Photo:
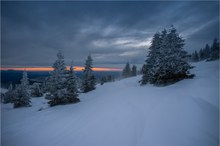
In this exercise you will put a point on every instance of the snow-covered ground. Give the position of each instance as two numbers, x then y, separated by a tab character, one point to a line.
3	90
123	113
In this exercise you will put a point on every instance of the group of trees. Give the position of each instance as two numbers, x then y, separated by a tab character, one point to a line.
61	85
105	79
89	79
208	53
167	61
20	96
129	72
36	91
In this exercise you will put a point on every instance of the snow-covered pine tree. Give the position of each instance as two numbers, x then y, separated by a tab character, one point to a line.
110	78
207	51
126	71
103	80
89	81
36	91
143	69
57	81
9	95
25	81
79	82
152	61
201	54
44	85
166	62
134	70
215	50
48	86
22	95
195	56
72	92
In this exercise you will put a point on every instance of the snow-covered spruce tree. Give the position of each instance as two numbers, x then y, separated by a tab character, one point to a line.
21	94
201	54
195	57
126	71
89	81
110	78
143	69
71	87
36	91
134	70
9	95
166	62
153	60
207	51
57	80
44	85
214	50
103	80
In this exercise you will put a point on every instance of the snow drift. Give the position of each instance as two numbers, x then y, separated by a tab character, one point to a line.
123	113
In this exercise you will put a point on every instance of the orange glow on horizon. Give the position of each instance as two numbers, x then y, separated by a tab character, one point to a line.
76	68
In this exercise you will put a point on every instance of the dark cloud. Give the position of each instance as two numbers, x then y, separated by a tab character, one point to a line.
114	32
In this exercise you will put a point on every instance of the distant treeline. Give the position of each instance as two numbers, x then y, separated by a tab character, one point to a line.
208	53
13	77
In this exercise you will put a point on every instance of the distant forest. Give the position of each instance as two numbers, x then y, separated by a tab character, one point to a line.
208	53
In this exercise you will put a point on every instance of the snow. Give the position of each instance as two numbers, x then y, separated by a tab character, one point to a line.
3	90
123	113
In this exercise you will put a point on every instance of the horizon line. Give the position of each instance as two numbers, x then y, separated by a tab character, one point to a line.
76	68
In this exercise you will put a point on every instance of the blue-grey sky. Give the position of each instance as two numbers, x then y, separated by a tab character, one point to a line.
113	32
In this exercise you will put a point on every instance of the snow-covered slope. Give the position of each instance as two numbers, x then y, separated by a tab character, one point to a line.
123	113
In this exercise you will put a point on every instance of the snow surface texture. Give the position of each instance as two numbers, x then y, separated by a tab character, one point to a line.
123	113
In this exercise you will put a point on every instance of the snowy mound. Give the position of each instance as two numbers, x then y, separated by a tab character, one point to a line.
3	90
124	113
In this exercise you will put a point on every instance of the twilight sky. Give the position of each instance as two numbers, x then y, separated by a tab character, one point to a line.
113	32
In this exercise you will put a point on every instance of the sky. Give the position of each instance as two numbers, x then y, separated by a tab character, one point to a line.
112	32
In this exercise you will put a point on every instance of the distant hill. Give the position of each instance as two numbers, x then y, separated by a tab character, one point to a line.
14	77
